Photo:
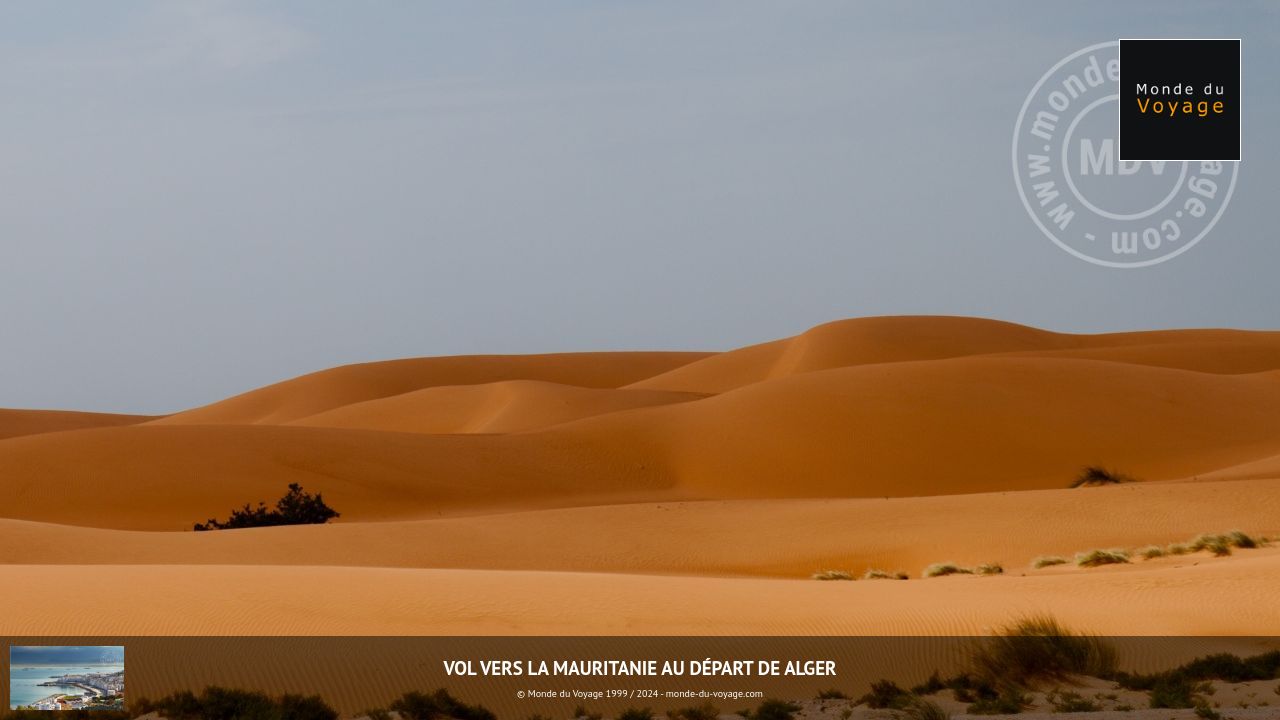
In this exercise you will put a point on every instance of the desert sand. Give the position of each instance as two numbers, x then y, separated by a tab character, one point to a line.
673	493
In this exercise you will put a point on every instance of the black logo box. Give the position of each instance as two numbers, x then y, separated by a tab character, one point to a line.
1185	66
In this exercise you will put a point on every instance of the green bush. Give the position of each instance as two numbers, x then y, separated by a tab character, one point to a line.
295	508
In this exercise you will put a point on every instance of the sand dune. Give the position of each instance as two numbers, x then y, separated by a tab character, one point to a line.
502	407
649	493
266	600
945	427
17	423
865	341
710	538
328	389
966	425
167	477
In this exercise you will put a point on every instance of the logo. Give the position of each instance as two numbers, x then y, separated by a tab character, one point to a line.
1107	211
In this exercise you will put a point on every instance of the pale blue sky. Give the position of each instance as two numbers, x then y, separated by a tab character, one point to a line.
203	197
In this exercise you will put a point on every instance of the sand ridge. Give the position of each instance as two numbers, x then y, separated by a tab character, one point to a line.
604	492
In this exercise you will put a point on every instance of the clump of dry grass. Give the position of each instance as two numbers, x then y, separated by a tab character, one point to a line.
943	569
1216	544
832	575
1099	557
1039	648
990	569
1045	561
1151	552
1178	549
877	574
1242	540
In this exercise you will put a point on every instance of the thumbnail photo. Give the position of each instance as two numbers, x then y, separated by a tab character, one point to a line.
66	677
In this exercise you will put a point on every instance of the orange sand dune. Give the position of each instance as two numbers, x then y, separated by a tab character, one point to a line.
328	389
16	423
503	407
722	538
1259	353
1235	596
652	493
165	477
962	425
942	427
1267	467
865	341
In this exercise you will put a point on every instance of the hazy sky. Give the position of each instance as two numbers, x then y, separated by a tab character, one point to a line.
203	197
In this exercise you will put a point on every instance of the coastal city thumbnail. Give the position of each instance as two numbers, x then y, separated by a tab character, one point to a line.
66	677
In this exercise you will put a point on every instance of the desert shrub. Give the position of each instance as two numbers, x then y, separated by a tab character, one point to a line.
581	712
1045	561
1039	648
697	712
381	714
436	706
832	575
1009	702
946	568
1242	540
1219	545
967	688
1094	475
1173	691
295	508
216	703
934	684
1232	668
832	694
775	710
636	714
990	569
1151	552
1096	558
1064	701
1178	549
876	574
886	694
1207	713
926	710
